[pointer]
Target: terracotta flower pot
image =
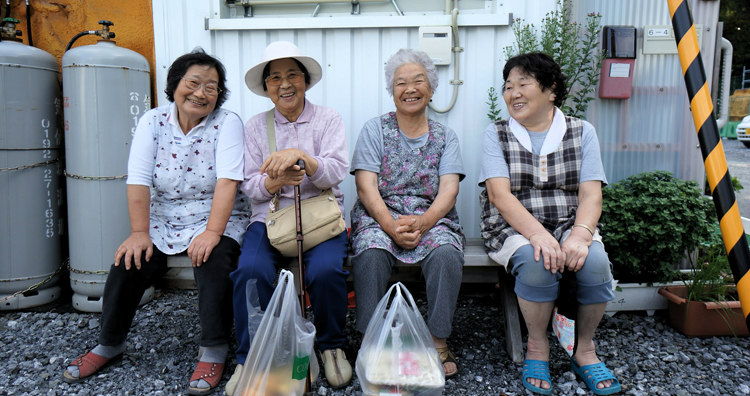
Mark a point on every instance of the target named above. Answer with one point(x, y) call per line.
point(703, 319)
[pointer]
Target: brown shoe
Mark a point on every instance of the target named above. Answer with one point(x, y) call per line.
point(209, 372)
point(337, 369)
point(446, 356)
point(88, 364)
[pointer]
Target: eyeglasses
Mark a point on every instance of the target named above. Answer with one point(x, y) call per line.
point(210, 88)
point(274, 80)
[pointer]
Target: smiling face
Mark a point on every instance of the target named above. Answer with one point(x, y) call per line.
point(527, 102)
point(411, 89)
point(194, 105)
point(288, 97)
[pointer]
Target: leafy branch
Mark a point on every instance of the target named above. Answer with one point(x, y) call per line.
point(572, 45)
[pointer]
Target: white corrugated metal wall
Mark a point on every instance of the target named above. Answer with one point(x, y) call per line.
point(653, 130)
point(634, 137)
point(352, 60)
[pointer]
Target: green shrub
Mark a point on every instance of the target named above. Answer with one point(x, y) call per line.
point(650, 221)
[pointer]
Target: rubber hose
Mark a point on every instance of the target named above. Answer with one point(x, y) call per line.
point(76, 37)
point(28, 23)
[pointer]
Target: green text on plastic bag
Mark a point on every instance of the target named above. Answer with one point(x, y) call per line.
point(300, 367)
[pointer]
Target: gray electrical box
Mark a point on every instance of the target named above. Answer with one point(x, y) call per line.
point(659, 39)
point(436, 41)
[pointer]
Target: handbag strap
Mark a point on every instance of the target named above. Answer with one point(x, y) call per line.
point(271, 130)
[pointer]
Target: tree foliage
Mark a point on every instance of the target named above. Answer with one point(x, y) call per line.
point(574, 46)
point(736, 17)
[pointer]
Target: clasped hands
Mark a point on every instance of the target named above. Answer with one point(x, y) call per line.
point(570, 255)
point(407, 230)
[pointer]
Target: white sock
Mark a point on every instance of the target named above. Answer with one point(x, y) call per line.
point(212, 354)
point(104, 351)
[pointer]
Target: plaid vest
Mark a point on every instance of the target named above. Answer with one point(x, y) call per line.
point(546, 185)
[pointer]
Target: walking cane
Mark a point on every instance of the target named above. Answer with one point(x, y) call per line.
point(302, 287)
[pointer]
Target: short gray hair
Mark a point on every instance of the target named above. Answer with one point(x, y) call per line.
point(407, 55)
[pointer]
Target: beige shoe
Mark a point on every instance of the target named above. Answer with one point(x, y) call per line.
point(337, 369)
point(233, 380)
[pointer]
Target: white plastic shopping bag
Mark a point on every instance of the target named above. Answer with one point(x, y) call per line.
point(398, 356)
point(282, 348)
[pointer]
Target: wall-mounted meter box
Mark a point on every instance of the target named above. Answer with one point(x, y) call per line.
point(437, 42)
point(659, 39)
point(619, 43)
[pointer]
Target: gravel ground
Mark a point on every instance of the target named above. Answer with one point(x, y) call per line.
point(646, 354)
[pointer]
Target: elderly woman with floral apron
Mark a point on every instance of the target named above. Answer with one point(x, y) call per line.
point(184, 168)
point(407, 170)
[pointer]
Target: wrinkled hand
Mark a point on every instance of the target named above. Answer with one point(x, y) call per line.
point(408, 231)
point(279, 162)
point(547, 246)
point(293, 176)
point(132, 249)
point(411, 223)
point(202, 246)
point(576, 249)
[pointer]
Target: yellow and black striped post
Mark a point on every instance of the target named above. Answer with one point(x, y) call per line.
point(713, 152)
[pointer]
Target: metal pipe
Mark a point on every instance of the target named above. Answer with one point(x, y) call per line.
point(726, 70)
point(398, 10)
point(456, 67)
point(28, 23)
point(286, 2)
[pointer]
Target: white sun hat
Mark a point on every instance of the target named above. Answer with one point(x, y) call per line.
point(281, 50)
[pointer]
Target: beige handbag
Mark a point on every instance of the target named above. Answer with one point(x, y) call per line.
point(321, 216)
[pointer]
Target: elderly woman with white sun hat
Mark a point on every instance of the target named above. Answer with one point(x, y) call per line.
point(316, 135)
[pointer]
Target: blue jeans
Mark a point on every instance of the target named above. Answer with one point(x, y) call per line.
point(325, 279)
point(536, 284)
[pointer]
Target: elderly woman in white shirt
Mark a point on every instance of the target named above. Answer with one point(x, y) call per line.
point(184, 169)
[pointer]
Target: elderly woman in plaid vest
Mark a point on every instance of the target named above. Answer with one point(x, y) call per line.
point(542, 176)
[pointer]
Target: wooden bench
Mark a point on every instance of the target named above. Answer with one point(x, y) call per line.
point(478, 268)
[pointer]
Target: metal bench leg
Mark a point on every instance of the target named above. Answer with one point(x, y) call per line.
point(509, 302)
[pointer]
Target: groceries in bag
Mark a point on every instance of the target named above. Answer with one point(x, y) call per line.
point(398, 356)
point(282, 348)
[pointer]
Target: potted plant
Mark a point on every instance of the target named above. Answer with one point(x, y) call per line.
point(706, 304)
point(649, 224)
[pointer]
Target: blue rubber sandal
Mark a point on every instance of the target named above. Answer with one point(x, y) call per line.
point(593, 374)
point(538, 369)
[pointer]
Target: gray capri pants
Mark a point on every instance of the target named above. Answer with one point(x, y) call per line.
point(536, 284)
point(442, 270)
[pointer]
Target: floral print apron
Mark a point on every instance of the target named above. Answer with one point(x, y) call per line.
point(183, 186)
point(408, 183)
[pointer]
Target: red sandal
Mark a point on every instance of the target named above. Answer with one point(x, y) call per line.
point(209, 372)
point(88, 364)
